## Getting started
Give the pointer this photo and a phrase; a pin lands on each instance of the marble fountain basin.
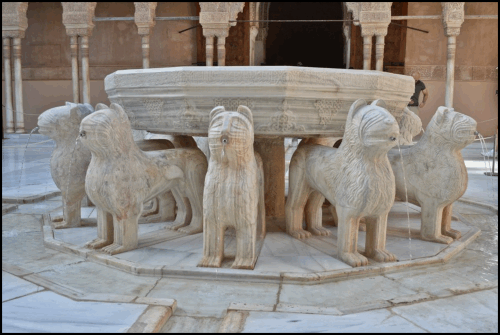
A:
(284, 100)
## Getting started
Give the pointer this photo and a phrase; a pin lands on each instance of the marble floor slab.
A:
(15, 287)
(380, 321)
(30, 314)
(471, 313)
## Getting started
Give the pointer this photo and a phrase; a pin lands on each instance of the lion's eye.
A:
(83, 133)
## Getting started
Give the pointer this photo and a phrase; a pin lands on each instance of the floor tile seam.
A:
(280, 286)
(28, 294)
(154, 286)
(408, 320)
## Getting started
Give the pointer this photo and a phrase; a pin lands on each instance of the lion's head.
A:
(63, 122)
(410, 126)
(107, 130)
(231, 131)
(451, 128)
(370, 129)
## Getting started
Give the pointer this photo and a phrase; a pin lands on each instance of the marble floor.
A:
(460, 295)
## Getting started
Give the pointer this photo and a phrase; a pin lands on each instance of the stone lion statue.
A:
(356, 178)
(69, 160)
(435, 172)
(121, 177)
(234, 189)
(410, 126)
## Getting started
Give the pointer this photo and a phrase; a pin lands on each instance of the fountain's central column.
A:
(272, 152)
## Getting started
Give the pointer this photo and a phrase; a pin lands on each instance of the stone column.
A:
(214, 18)
(144, 19)
(272, 152)
(221, 50)
(210, 50)
(77, 18)
(453, 17)
(374, 19)
(379, 52)
(367, 52)
(14, 24)
(9, 113)
(84, 51)
(18, 84)
(74, 68)
(254, 31)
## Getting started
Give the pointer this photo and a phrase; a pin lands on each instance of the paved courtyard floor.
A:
(52, 291)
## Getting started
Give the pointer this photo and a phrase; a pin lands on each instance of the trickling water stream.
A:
(406, 199)
(24, 156)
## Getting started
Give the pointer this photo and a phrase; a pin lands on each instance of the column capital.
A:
(453, 17)
(77, 18)
(215, 17)
(374, 17)
(14, 20)
(144, 16)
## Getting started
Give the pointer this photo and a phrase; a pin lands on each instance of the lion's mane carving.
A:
(356, 178)
(234, 189)
(69, 160)
(436, 175)
(121, 177)
(410, 126)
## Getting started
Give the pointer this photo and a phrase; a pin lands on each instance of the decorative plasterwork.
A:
(77, 17)
(14, 21)
(453, 17)
(374, 17)
(144, 16)
(462, 72)
(215, 17)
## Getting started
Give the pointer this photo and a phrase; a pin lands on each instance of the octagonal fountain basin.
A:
(284, 100)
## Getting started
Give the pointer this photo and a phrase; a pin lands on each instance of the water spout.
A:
(406, 194)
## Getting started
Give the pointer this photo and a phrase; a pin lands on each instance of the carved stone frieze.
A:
(14, 20)
(462, 72)
(327, 109)
(374, 17)
(154, 107)
(283, 121)
(144, 16)
(77, 17)
(232, 104)
(453, 17)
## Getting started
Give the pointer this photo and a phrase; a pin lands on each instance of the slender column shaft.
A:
(348, 52)
(221, 51)
(18, 84)
(367, 52)
(145, 51)
(379, 53)
(450, 71)
(210, 50)
(84, 51)
(253, 35)
(74, 68)
(272, 152)
(9, 113)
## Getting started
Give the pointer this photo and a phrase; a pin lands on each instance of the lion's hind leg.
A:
(184, 212)
(347, 240)
(126, 233)
(314, 214)
(431, 222)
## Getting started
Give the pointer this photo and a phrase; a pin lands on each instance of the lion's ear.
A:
(244, 110)
(216, 110)
(380, 103)
(100, 106)
(120, 112)
(85, 109)
(440, 114)
(355, 107)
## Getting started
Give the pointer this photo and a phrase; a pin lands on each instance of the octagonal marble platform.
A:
(163, 252)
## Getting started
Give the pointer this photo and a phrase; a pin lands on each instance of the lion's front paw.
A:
(244, 263)
(382, 256)
(98, 243)
(354, 259)
(190, 230)
(114, 249)
(320, 231)
(210, 262)
(300, 234)
(176, 225)
(65, 224)
(438, 239)
(454, 234)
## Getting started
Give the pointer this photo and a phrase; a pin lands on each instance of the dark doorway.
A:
(310, 43)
